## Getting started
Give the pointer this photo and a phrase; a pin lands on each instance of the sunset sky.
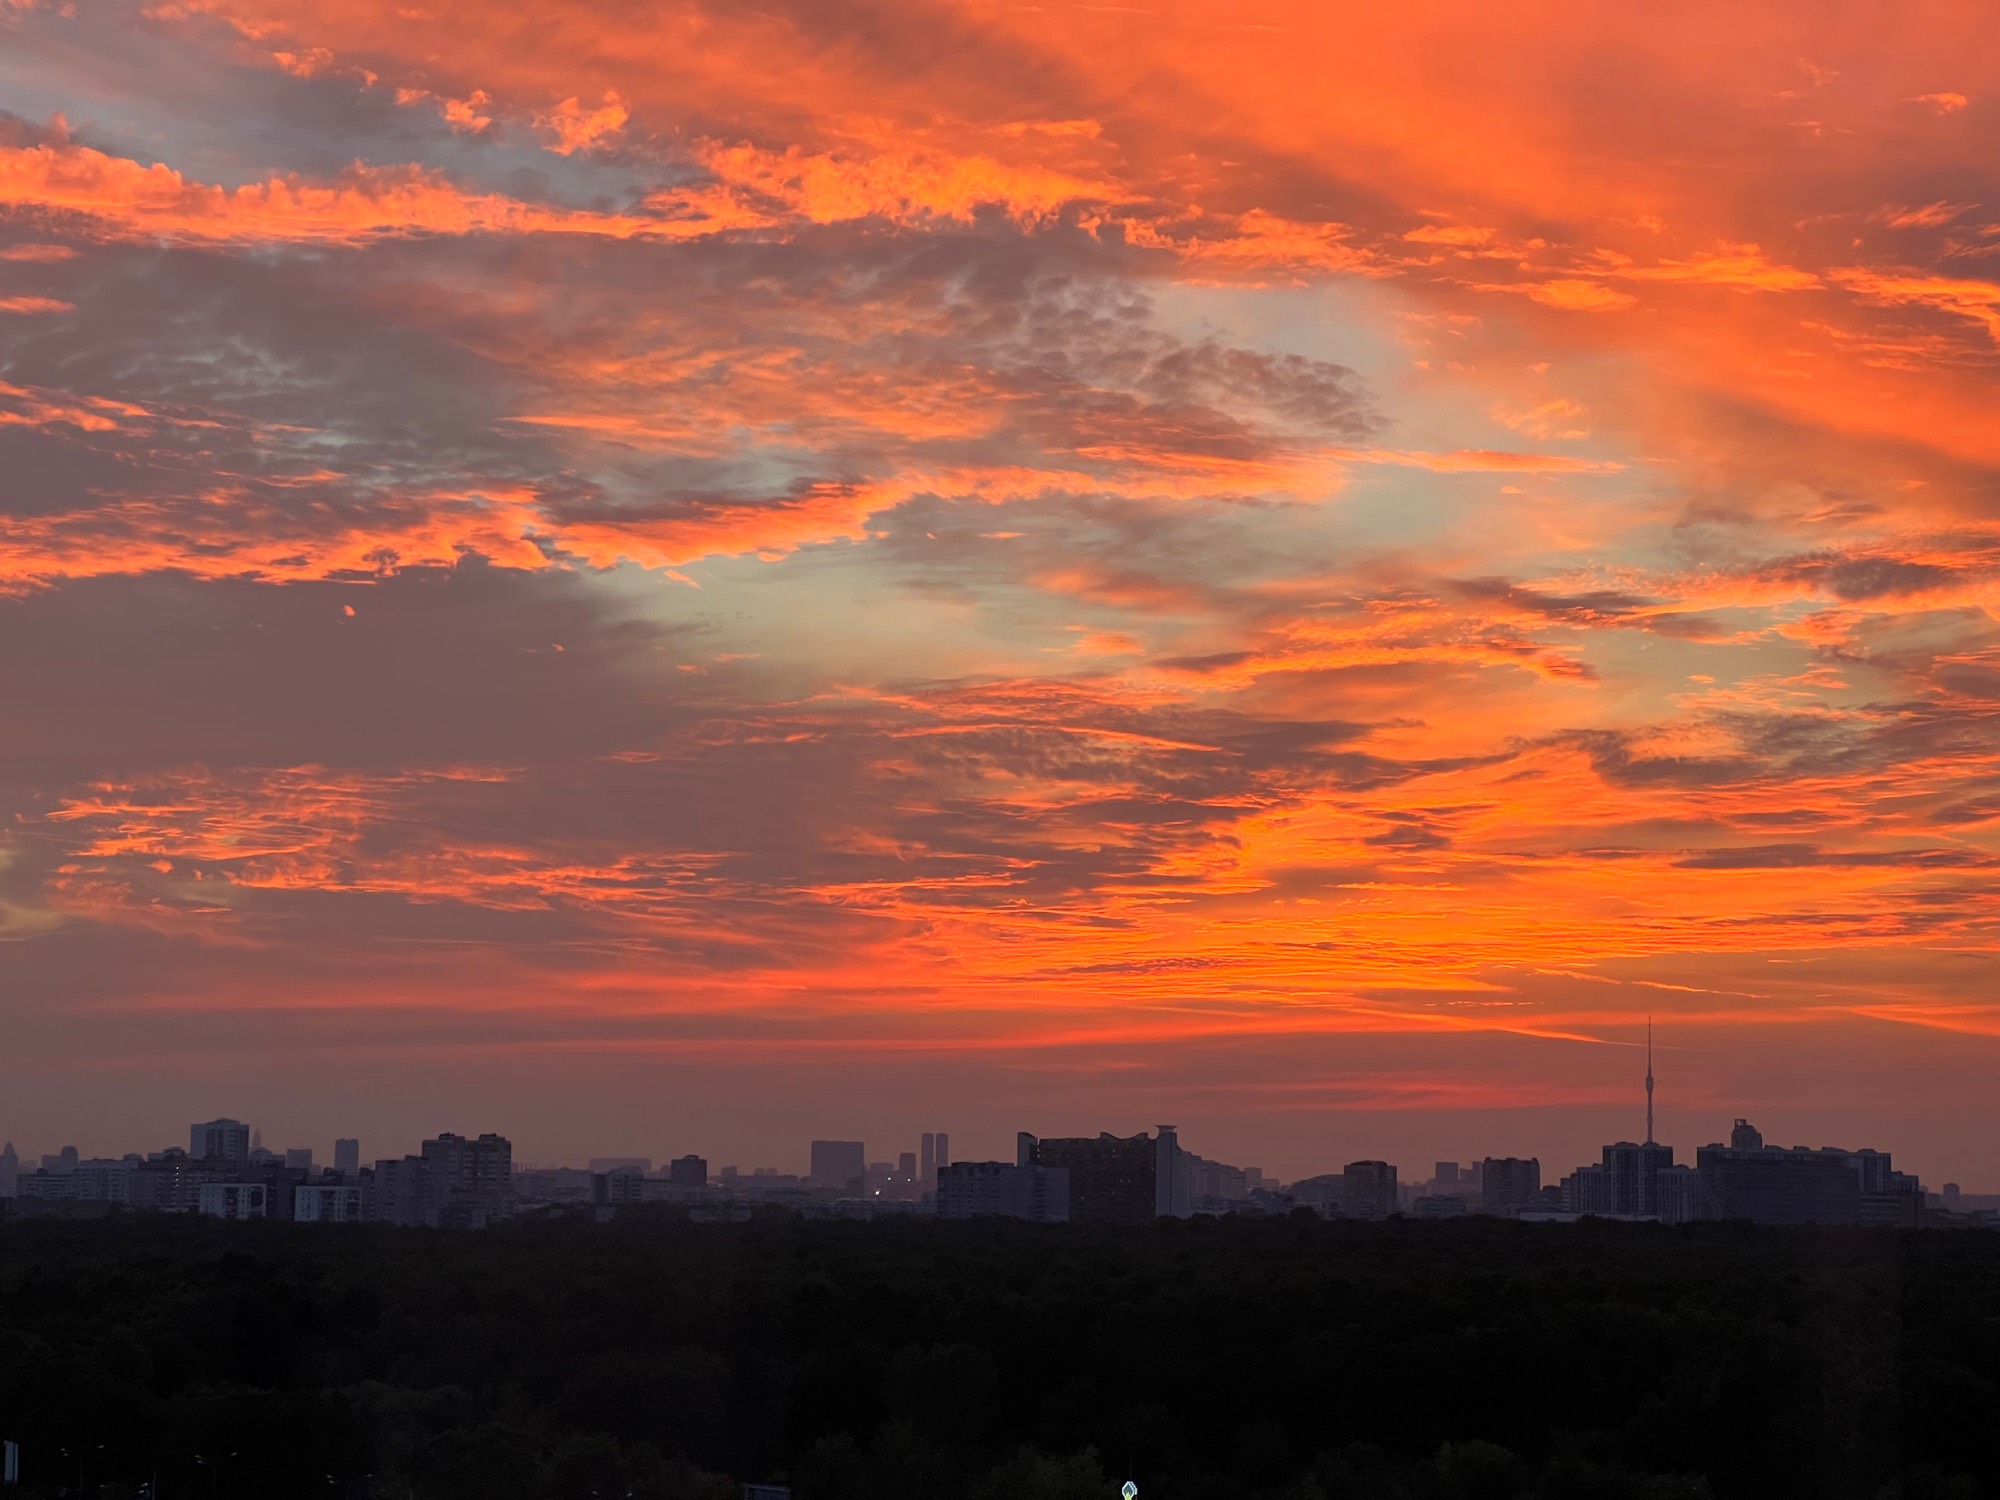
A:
(685, 575)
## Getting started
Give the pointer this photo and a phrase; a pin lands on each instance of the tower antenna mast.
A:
(1649, 1080)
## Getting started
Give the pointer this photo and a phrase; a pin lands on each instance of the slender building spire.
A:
(1649, 1080)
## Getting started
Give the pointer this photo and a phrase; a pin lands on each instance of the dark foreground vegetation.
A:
(1211, 1360)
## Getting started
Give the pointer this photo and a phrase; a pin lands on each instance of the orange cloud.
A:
(1572, 295)
(572, 128)
(1259, 240)
(1743, 267)
(894, 184)
(126, 198)
(242, 535)
(1978, 301)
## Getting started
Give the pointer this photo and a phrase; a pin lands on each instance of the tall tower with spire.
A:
(1649, 1080)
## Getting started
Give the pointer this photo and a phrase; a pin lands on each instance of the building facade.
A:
(1777, 1185)
(1368, 1189)
(1004, 1190)
(235, 1200)
(171, 1181)
(1509, 1184)
(840, 1166)
(330, 1203)
(1628, 1184)
(454, 1183)
(1113, 1179)
(219, 1140)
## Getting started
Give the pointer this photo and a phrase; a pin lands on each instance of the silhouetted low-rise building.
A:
(618, 1189)
(554, 1185)
(171, 1181)
(1438, 1206)
(640, 1164)
(46, 1186)
(1360, 1190)
(1214, 1186)
(330, 1203)
(235, 1200)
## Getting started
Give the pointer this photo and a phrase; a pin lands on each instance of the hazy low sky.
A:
(681, 576)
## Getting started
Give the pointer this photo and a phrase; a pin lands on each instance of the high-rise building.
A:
(1172, 1196)
(1008, 1190)
(1509, 1184)
(839, 1166)
(1368, 1189)
(1444, 1177)
(1113, 1180)
(1625, 1184)
(1635, 1174)
(300, 1157)
(927, 1168)
(478, 1173)
(456, 1184)
(1773, 1185)
(347, 1157)
(10, 1170)
(1677, 1192)
(220, 1140)
(688, 1171)
(943, 1150)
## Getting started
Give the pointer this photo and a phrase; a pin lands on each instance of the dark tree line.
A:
(1210, 1360)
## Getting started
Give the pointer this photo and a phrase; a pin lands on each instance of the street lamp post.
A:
(214, 1467)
